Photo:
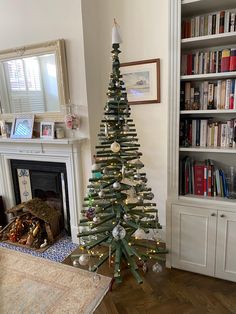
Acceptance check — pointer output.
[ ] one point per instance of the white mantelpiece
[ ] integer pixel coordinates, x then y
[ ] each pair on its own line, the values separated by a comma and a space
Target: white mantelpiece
56, 150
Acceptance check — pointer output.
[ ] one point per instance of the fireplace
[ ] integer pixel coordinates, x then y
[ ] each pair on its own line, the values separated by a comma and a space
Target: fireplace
63, 152
44, 180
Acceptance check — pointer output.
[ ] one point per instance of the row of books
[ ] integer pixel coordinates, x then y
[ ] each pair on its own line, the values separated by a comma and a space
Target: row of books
203, 62
206, 95
208, 133
202, 178
209, 24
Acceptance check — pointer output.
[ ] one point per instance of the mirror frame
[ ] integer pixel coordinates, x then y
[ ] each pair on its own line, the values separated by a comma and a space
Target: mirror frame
54, 46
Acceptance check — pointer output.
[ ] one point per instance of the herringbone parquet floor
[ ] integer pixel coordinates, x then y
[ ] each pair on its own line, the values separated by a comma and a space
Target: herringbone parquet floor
171, 291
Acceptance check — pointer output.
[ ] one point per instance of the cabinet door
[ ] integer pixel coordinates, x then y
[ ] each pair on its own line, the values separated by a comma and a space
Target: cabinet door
226, 246
193, 239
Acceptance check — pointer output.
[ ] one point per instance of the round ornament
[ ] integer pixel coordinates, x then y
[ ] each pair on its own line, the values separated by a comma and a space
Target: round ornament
101, 193
137, 176
118, 232
76, 262
84, 259
126, 128
116, 185
140, 198
90, 213
157, 268
115, 147
96, 219
126, 217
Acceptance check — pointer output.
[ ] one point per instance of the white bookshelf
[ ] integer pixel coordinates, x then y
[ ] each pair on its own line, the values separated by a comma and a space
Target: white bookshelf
197, 224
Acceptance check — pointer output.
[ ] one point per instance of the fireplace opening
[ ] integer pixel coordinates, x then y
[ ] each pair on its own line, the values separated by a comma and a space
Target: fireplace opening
44, 180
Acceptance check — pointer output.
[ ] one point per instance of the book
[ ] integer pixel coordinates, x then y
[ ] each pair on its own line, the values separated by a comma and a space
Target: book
232, 61
225, 60
232, 22
210, 102
198, 178
203, 133
222, 22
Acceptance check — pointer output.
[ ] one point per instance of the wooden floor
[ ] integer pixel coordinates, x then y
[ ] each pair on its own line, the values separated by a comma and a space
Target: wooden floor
171, 291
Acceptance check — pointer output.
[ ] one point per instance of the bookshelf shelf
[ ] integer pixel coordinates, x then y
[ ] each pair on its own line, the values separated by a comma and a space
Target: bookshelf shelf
195, 7
198, 198
207, 112
197, 77
199, 149
223, 39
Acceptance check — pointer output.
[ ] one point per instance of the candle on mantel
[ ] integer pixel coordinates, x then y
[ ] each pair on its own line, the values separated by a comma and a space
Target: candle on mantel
116, 38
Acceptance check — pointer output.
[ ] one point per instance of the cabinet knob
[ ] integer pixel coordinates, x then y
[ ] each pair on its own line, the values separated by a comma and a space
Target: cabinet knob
222, 215
213, 214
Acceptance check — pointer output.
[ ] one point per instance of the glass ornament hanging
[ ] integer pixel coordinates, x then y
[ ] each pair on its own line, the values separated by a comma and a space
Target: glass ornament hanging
84, 259
157, 268
118, 232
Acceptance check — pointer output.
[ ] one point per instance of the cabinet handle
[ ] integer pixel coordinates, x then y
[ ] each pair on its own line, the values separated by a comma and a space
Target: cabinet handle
222, 216
213, 214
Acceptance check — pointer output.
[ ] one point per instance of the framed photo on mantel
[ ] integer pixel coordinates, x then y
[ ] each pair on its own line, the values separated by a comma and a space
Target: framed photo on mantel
142, 81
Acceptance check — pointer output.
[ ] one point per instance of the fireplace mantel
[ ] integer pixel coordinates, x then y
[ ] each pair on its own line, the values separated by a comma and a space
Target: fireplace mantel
67, 150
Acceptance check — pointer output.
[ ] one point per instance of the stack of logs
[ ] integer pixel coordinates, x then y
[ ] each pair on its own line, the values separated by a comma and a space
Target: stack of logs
34, 224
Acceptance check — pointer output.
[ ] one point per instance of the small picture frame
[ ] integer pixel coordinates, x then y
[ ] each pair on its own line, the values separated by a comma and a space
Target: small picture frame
47, 130
22, 127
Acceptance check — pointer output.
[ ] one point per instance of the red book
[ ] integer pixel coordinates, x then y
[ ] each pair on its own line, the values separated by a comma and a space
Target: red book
199, 179
232, 62
225, 60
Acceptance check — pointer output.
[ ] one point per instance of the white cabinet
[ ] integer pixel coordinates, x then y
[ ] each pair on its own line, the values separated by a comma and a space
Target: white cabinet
193, 239
226, 246
203, 241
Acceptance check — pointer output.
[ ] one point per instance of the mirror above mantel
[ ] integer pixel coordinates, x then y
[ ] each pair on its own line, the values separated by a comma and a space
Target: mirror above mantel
33, 79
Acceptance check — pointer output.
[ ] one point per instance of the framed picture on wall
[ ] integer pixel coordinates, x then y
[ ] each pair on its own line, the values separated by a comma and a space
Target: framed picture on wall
47, 130
142, 81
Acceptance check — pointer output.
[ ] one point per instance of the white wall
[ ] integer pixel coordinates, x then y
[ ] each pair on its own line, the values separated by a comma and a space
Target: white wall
144, 27
24, 22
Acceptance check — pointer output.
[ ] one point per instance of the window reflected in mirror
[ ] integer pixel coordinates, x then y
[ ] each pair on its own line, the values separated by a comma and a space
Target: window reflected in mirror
35, 81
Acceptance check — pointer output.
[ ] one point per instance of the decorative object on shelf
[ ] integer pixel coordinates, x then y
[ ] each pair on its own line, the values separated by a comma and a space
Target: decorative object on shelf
119, 212
47, 130
23, 127
142, 79
60, 133
72, 120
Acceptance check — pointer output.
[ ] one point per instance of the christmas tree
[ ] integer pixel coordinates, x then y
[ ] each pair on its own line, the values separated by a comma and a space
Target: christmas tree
119, 202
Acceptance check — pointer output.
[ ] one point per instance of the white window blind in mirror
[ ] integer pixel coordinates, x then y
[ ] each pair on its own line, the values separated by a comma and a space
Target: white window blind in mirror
31, 84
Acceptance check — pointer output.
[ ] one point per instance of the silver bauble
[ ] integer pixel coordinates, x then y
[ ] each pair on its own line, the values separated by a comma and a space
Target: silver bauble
157, 268
84, 259
76, 262
118, 232
126, 128
101, 193
140, 198
126, 217
137, 176
96, 219
115, 147
116, 185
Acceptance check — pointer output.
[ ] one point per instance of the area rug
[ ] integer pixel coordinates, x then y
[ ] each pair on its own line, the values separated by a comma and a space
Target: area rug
31, 285
57, 252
